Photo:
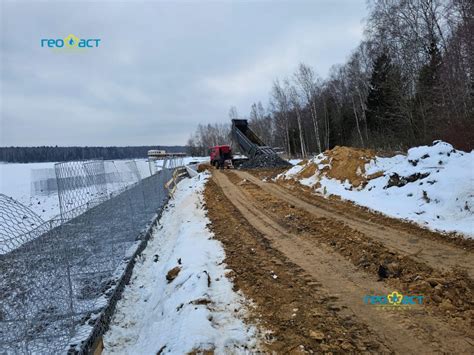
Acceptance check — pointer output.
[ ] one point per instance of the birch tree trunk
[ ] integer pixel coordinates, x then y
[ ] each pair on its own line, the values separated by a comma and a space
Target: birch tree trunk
314, 117
357, 121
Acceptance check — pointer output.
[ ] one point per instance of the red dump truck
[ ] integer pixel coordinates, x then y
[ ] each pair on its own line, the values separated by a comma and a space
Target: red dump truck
221, 156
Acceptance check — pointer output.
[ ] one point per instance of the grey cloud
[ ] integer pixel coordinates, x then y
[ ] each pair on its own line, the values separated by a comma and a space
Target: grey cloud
162, 67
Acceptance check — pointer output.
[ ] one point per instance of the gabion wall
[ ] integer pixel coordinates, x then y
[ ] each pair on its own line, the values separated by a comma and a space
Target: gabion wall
57, 277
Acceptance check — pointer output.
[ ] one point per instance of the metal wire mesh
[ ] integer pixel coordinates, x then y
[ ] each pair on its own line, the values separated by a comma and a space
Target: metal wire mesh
58, 277
16, 221
43, 182
152, 166
132, 166
76, 189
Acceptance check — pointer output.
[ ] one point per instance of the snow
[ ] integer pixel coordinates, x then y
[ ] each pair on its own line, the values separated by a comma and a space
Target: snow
195, 160
192, 169
143, 167
295, 161
442, 201
198, 310
189, 160
16, 180
292, 171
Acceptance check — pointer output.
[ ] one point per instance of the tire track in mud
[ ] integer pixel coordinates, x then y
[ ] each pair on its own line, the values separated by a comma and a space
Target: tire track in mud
449, 291
297, 311
341, 278
434, 252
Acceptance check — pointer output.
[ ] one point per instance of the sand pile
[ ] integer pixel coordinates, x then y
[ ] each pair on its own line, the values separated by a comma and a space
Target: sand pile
430, 185
340, 163
347, 163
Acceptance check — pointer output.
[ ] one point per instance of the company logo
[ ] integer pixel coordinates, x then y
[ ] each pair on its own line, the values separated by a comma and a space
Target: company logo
70, 42
394, 300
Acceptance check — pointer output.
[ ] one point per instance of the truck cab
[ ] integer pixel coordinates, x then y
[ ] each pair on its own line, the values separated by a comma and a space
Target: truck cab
221, 156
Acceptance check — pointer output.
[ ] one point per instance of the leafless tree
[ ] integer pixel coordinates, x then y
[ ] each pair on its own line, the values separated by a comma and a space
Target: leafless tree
261, 123
281, 102
233, 114
429, 47
307, 81
295, 103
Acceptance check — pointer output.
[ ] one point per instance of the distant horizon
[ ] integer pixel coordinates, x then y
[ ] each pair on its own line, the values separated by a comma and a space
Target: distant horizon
73, 153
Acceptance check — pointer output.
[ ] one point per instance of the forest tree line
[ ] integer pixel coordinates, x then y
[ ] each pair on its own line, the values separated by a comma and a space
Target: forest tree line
409, 82
57, 154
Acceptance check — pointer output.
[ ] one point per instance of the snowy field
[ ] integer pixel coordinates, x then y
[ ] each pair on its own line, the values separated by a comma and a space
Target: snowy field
433, 186
18, 181
179, 300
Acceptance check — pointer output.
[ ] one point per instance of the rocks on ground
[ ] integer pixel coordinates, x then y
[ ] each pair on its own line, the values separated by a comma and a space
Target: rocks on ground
265, 161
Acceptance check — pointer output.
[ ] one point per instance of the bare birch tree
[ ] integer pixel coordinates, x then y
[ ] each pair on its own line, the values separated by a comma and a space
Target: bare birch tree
306, 80
282, 103
294, 100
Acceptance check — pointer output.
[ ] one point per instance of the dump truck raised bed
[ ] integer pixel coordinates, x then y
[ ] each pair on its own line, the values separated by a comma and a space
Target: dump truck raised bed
248, 141
260, 155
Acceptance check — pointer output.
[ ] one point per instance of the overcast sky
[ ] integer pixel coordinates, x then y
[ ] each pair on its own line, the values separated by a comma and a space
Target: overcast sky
161, 67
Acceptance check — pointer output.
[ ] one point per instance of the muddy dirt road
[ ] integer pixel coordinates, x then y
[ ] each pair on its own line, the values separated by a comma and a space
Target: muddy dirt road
308, 264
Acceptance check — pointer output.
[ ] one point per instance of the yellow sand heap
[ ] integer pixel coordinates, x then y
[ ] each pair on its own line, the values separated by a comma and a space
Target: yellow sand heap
342, 163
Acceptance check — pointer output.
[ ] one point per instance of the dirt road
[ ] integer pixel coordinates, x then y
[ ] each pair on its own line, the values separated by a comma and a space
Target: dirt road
308, 264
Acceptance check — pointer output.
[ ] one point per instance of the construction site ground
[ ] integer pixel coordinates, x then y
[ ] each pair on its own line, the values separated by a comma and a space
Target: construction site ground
308, 262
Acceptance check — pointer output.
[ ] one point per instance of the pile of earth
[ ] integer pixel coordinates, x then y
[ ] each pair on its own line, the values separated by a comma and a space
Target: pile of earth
346, 163
203, 167
340, 163
430, 185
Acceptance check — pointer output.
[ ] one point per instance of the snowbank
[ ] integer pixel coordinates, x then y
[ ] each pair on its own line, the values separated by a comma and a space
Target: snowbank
431, 185
179, 298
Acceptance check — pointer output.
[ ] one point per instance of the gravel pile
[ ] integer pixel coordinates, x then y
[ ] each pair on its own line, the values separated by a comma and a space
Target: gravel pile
265, 161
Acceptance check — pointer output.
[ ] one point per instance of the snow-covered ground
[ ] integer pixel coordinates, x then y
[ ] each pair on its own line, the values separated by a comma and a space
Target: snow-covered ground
196, 310
17, 181
190, 160
295, 161
442, 200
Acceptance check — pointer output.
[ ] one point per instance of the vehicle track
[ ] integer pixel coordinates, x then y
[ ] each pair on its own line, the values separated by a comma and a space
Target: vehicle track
420, 329
436, 254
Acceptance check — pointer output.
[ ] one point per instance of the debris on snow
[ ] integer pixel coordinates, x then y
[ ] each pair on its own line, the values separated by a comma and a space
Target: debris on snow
415, 186
399, 181
171, 275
